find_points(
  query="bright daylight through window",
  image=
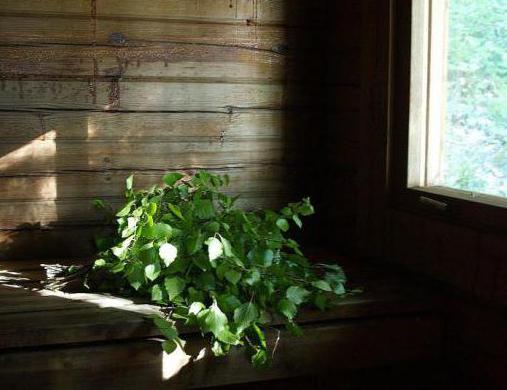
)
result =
(458, 105)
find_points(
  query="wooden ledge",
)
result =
(61, 337)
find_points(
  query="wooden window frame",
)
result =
(484, 212)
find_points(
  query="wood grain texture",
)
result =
(385, 326)
(156, 96)
(173, 62)
(83, 185)
(322, 349)
(224, 11)
(242, 125)
(46, 7)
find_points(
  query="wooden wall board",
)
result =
(81, 185)
(323, 348)
(156, 96)
(171, 61)
(176, 61)
(50, 29)
(75, 212)
(83, 30)
(238, 125)
(32, 242)
(46, 7)
(279, 12)
(46, 156)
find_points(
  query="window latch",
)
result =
(434, 204)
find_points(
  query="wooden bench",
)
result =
(62, 341)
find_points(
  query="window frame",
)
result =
(481, 211)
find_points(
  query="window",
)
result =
(457, 141)
(448, 110)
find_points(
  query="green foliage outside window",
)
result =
(475, 146)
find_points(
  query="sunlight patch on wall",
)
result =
(40, 148)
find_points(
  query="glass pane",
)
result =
(474, 154)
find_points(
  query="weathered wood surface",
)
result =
(323, 349)
(387, 324)
(223, 11)
(174, 61)
(102, 88)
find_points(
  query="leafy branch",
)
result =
(212, 265)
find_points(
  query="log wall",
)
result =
(92, 90)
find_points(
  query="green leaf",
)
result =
(297, 294)
(305, 208)
(99, 203)
(212, 227)
(322, 285)
(297, 221)
(152, 208)
(260, 358)
(227, 337)
(215, 320)
(99, 263)
(287, 308)
(339, 289)
(156, 293)
(267, 257)
(174, 285)
(252, 277)
(228, 302)
(158, 231)
(125, 210)
(129, 182)
(135, 276)
(282, 224)
(166, 328)
(171, 178)
(168, 253)
(194, 242)
(215, 248)
(226, 246)
(206, 281)
(233, 276)
(196, 307)
(176, 211)
(245, 315)
(204, 208)
(169, 346)
(152, 271)
(120, 251)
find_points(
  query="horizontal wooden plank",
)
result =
(81, 30)
(48, 243)
(25, 29)
(176, 62)
(56, 156)
(267, 179)
(323, 348)
(170, 96)
(173, 61)
(223, 11)
(46, 7)
(19, 127)
(294, 12)
(244, 125)
(156, 96)
(75, 212)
